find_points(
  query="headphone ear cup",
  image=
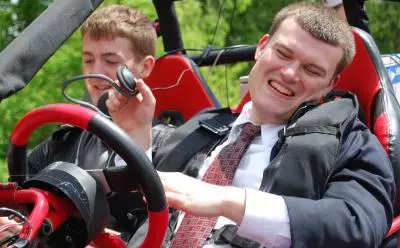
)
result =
(119, 75)
(127, 80)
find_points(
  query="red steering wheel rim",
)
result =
(89, 120)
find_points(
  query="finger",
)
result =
(166, 176)
(148, 97)
(120, 97)
(176, 200)
(139, 97)
(170, 175)
(117, 94)
(116, 103)
(112, 102)
(169, 187)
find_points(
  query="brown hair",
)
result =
(122, 21)
(323, 24)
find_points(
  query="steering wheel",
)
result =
(139, 167)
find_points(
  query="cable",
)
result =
(226, 85)
(207, 50)
(217, 58)
(222, 51)
(216, 26)
(172, 85)
(88, 105)
(113, 84)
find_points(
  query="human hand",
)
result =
(199, 198)
(8, 227)
(134, 114)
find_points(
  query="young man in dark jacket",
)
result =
(113, 36)
(292, 172)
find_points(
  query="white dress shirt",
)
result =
(266, 219)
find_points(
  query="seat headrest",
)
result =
(179, 87)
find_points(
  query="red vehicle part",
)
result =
(86, 119)
(186, 94)
(54, 213)
(11, 196)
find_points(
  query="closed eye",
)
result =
(111, 62)
(282, 54)
(312, 71)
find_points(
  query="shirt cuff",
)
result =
(118, 161)
(266, 219)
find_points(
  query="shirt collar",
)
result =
(268, 131)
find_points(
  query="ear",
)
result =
(261, 46)
(147, 66)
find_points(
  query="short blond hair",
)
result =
(122, 21)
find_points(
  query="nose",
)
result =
(95, 68)
(98, 68)
(291, 72)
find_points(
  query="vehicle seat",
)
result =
(179, 88)
(368, 78)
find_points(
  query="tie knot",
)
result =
(249, 131)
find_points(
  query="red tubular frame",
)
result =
(59, 209)
(28, 196)
(56, 213)
(61, 113)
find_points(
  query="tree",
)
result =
(16, 15)
(384, 24)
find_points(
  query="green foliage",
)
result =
(15, 17)
(3, 171)
(43, 89)
(385, 25)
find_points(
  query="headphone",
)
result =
(127, 87)
(127, 80)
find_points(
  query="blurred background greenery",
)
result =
(240, 22)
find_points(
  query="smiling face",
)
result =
(103, 56)
(291, 68)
